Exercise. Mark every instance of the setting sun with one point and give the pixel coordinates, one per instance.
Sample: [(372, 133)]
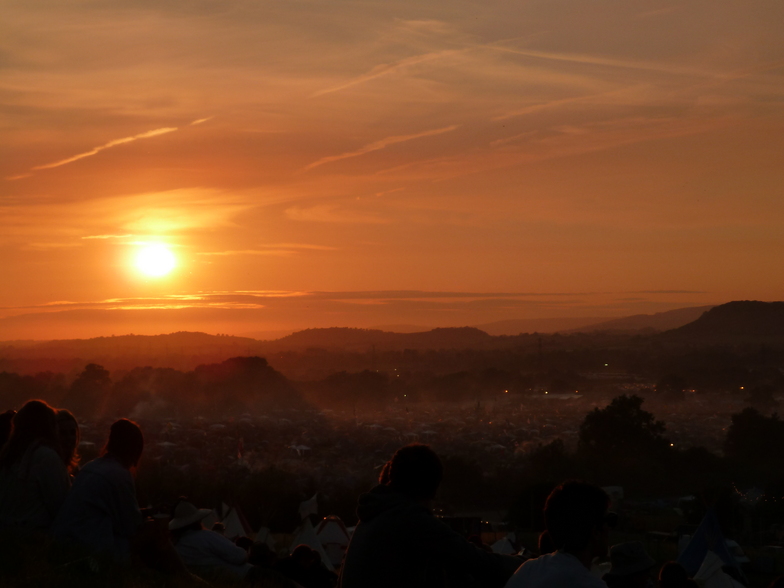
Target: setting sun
[(155, 260)]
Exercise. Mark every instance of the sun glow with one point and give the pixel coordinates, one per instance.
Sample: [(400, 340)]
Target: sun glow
[(155, 260)]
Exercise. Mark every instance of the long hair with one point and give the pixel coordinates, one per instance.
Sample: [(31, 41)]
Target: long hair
[(34, 423), (125, 443), (70, 455)]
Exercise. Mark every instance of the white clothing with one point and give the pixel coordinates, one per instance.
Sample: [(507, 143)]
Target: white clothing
[(101, 512), (207, 549), (554, 570), (33, 490)]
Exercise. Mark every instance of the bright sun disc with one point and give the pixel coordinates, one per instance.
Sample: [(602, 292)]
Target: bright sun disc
[(155, 260)]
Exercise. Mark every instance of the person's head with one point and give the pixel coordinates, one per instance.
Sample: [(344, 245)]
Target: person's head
[(261, 555), (576, 516), (416, 471), (34, 423), (126, 443), (304, 556), (186, 517), (69, 435), (631, 565), (673, 575), (545, 543), (5, 425), (245, 542), (218, 528)]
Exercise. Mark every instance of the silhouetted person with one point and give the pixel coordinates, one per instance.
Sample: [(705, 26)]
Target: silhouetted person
[(205, 553), (5, 425), (304, 566), (399, 543), (777, 583), (69, 436), (631, 566), (245, 543), (101, 513), (674, 575), (545, 544), (578, 522), (33, 478)]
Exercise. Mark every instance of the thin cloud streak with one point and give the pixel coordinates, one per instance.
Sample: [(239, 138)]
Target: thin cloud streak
[(384, 69), (114, 143), (585, 59), (381, 144)]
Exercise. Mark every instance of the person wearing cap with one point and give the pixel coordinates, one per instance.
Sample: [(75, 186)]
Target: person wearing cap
[(578, 522), (631, 566), (205, 553)]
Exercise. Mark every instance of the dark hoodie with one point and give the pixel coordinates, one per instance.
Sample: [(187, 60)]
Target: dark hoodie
[(398, 543)]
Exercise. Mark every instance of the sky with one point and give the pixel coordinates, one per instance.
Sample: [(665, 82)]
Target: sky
[(335, 163)]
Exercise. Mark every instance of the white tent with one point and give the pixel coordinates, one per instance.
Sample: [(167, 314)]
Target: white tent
[(334, 538), (306, 535), (505, 545), (210, 520), (308, 507), (234, 526), (265, 536), (710, 574)]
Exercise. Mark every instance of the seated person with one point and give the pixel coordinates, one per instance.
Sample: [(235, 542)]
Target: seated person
[(205, 553), (578, 524), (69, 435), (34, 481), (304, 566), (631, 566), (399, 543), (101, 513)]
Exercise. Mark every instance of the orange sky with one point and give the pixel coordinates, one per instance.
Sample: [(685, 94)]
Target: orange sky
[(437, 163)]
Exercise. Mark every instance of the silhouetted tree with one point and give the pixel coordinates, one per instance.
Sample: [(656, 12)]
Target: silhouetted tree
[(89, 392), (761, 398), (755, 439), (622, 429)]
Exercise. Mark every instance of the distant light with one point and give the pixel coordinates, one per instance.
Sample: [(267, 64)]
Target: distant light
[(506, 391), (546, 392), (672, 444), (606, 364), (576, 391), (741, 387)]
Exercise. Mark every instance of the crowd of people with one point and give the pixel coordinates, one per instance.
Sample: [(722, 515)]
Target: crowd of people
[(90, 513)]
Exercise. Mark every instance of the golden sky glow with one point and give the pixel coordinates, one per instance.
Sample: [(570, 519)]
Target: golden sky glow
[(438, 163)]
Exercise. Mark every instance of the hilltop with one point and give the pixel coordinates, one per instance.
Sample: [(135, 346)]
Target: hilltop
[(741, 321)]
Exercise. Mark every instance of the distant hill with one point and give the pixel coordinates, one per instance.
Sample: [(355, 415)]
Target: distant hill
[(739, 321), (363, 339), (538, 325), (660, 321)]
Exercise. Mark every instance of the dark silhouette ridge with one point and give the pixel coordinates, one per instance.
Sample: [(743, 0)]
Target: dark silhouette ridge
[(739, 321), (660, 321)]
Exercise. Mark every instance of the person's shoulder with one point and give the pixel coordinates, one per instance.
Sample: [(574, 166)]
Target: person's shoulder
[(47, 457)]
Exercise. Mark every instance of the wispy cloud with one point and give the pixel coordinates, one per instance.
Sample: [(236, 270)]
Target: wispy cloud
[(565, 102), (280, 249), (199, 121), (381, 144), (113, 143), (587, 59), (332, 213), (108, 236), (384, 69)]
